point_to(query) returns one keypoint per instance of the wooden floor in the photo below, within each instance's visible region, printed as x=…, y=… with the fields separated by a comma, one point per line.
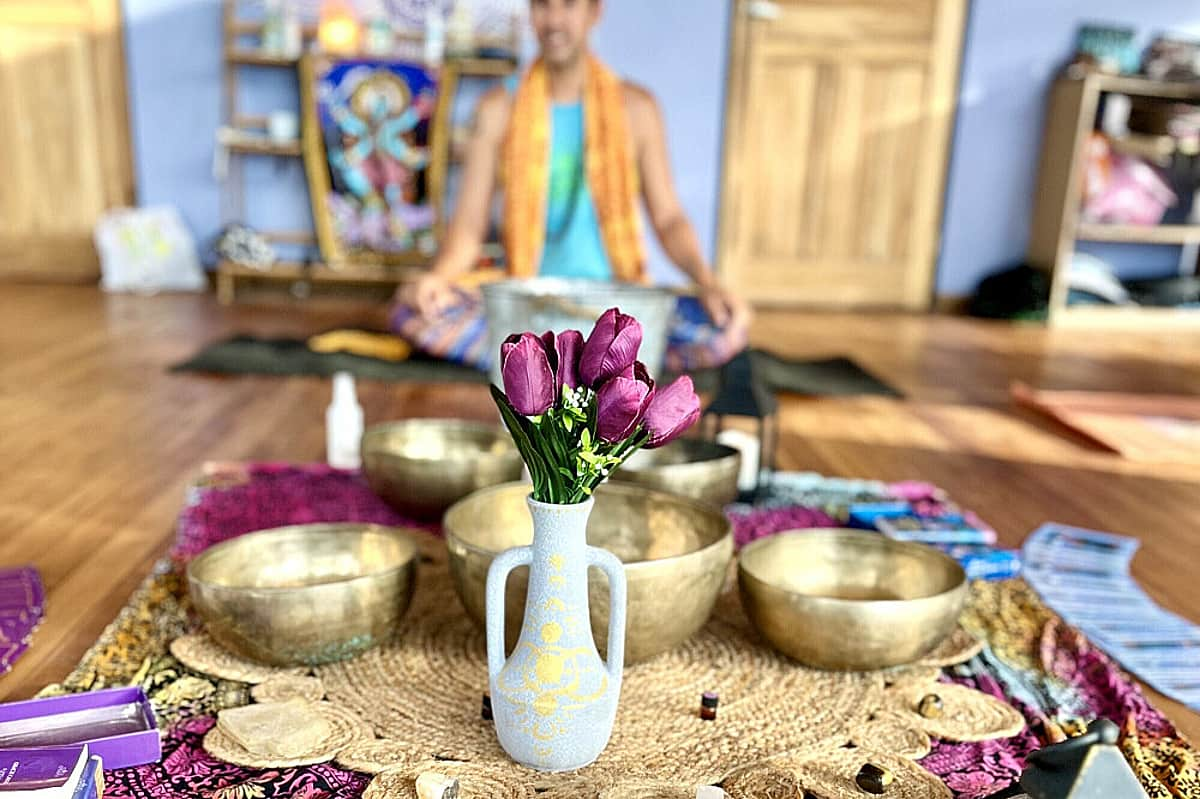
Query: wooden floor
x=100, y=440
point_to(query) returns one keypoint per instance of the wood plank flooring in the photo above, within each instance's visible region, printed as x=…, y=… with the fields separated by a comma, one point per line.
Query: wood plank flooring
x=99, y=440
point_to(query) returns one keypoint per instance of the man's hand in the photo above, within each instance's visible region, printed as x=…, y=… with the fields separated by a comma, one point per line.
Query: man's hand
x=430, y=294
x=724, y=307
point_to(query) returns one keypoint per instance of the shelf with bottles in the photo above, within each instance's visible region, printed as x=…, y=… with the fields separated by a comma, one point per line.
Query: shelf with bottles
x=281, y=37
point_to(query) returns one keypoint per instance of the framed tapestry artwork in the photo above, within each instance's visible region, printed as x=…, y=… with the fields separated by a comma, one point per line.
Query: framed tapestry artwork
x=375, y=153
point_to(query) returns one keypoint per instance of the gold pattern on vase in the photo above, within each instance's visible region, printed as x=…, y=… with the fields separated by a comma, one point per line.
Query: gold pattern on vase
x=560, y=679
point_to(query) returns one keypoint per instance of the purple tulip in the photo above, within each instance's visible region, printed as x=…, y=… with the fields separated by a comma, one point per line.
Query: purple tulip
x=568, y=346
x=622, y=402
x=528, y=378
x=671, y=411
x=610, y=349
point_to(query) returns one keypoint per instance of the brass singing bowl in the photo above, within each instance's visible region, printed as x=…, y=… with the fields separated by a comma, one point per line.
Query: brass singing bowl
x=308, y=594
x=676, y=553
x=688, y=467
x=422, y=466
x=850, y=599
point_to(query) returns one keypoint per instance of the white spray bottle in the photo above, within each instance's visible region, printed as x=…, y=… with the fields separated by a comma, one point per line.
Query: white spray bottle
x=343, y=425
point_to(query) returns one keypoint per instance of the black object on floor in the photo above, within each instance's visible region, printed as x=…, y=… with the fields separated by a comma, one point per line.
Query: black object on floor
x=1022, y=292
x=248, y=355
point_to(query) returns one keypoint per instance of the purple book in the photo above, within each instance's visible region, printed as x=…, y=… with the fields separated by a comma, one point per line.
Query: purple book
x=47, y=771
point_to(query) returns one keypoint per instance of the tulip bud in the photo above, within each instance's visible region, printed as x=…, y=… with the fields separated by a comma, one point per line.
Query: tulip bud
x=528, y=379
x=671, y=411
x=621, y=404
x=611, y=348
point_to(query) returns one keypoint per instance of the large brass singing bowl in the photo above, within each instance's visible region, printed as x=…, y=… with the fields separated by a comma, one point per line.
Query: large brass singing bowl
x=422, y=466
x=850, y=599
x=688, y=467
x=676, y=553
x=307, y=594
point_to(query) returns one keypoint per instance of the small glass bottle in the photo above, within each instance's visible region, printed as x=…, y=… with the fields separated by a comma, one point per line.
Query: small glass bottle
x=708, y=706
x=344, y=425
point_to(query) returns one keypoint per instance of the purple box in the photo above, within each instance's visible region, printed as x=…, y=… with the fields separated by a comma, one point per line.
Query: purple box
x=117, y=724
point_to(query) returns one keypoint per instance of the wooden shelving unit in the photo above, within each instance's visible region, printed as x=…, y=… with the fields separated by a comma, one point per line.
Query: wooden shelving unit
x=237, y=55
x=255, y=59
x=1130, y=317
x=266, y=147
x=475, y=67
x=230, y=274
x=1138, y=234
x=1057, y=225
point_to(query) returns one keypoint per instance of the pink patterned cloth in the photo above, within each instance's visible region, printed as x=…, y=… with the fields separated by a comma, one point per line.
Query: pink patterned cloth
x=261, y=496
x=187, y=771
x=750, y=525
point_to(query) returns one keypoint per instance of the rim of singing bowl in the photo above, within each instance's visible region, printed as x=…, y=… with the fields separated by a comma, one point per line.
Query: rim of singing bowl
x=709, y=451
x=715, y=459
x=196, y=568
x=558, y=287
x=955, y=577
x=451, y=528
x=375, y=437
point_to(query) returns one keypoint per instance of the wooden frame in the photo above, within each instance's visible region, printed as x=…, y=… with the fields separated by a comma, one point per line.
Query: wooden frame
x=317, y=167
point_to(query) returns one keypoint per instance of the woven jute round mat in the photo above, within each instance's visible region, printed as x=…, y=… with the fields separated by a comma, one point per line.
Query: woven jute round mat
x=967, y=714
x=894, y=733
x=830, y=775
x=283, y=687
x=201, y=653
x=425, y=690
x=346, y=729
x=763, y=782
x=959, y=647
x=475, y=781
x=421, y=695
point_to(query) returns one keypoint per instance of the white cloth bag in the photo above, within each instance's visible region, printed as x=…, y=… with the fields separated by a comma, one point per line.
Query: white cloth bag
x=147, y=250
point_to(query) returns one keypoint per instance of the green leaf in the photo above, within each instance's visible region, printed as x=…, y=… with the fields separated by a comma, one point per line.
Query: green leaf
x=520, y=428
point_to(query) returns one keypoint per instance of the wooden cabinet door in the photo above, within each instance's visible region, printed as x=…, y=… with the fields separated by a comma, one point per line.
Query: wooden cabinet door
x=838, y=123
x=64, y=134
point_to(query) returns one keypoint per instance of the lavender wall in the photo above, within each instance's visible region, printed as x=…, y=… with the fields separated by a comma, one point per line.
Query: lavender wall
x=1014, y=49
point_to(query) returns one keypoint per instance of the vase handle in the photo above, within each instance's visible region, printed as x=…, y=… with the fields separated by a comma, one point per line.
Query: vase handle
x=612, y=566
x=494, y=606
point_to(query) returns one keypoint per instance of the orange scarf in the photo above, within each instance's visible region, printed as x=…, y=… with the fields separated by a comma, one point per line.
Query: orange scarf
x=609, y=161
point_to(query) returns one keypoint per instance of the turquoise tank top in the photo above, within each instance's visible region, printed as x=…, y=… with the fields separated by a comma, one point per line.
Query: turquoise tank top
x=574, y=247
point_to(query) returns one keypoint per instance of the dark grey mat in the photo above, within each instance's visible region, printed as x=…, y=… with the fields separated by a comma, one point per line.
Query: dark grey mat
x=827, y=377
x=248, y=355
x=769, y=374
x=747, y=385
